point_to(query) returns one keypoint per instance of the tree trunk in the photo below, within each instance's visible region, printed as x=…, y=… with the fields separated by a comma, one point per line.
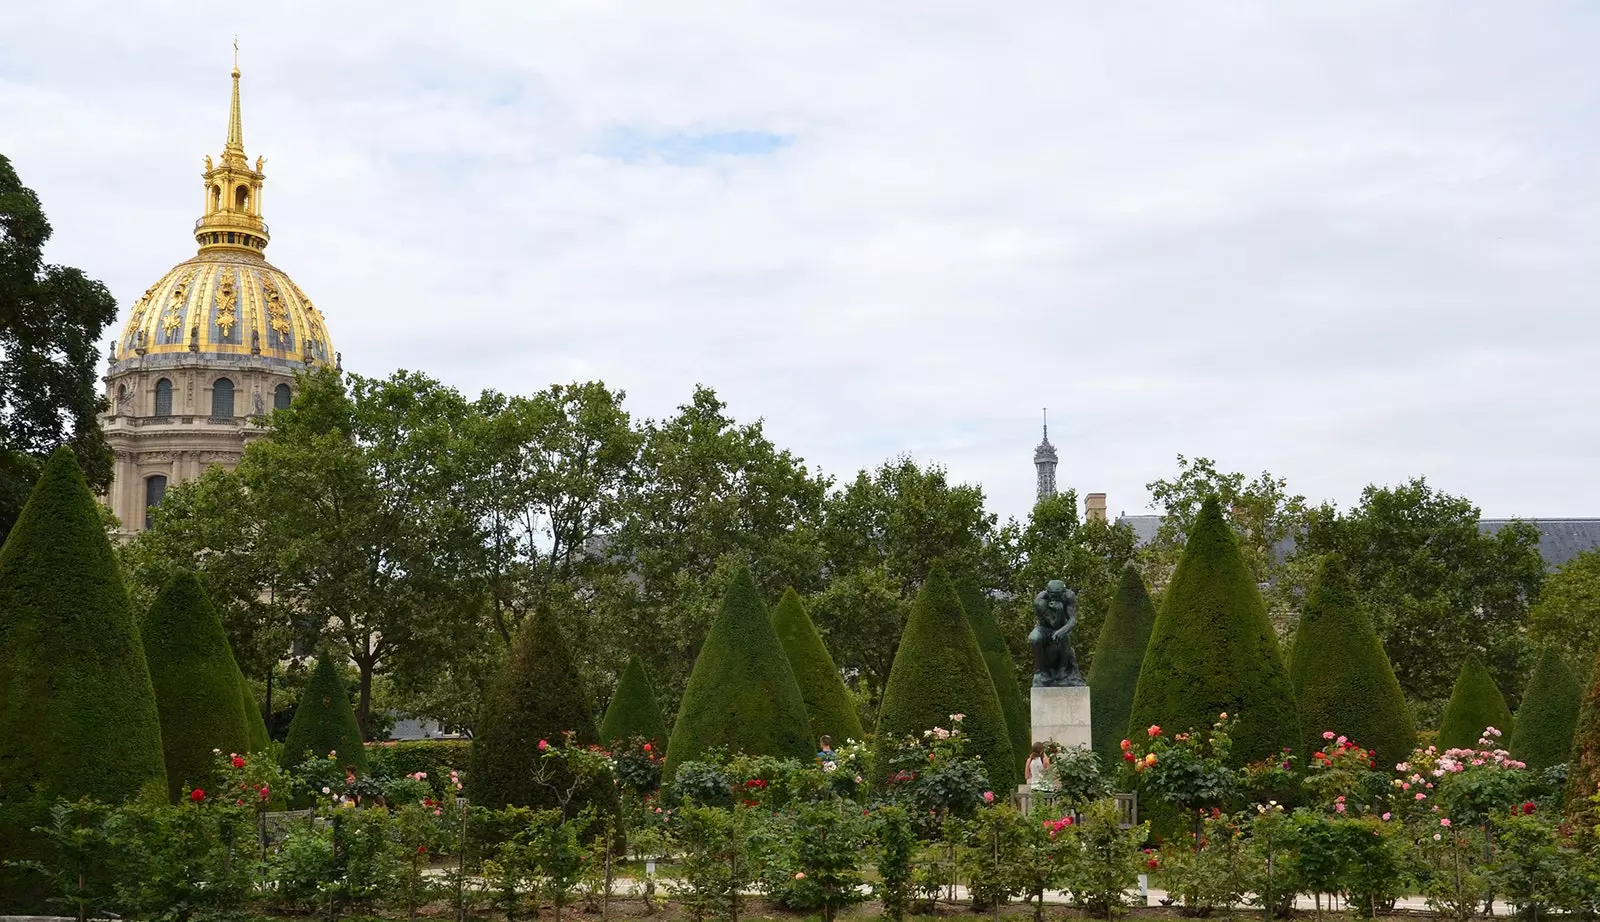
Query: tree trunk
x=364, y=695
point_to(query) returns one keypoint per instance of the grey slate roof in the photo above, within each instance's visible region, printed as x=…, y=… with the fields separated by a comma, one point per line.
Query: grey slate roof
x=1560, y=540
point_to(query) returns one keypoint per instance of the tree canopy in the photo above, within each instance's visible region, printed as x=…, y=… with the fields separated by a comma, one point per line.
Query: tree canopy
x=51, y=319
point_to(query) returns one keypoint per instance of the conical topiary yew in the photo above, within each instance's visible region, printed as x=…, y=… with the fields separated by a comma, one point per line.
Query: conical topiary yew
x=1002, y=671
x=77, y=710
x=254, y=722
x=1118, y=656
x=538, y=696
x=323, y=721
x=1475, y=705
x=1583, y=765
x=1548, y=717
x=1213, y=650
x=634, y=712
x=829, y=707
x=196, y=684
x=1342, y=675
x=939, y=671
x=742, y=695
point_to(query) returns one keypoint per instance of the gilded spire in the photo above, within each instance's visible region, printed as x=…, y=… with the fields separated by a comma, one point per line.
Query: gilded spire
x=235, y=146
x=232, y=217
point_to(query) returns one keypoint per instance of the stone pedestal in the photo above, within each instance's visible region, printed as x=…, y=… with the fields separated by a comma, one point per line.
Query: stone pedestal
x=1062, y=715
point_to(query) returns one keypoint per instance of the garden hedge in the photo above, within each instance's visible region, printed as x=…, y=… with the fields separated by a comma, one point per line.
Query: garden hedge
x=1002, y=669
x=742, y=695
x=538, y=695
x=77, y=710
x=196, y=684
x=634, y=711
x=1342, y=675
x=938, y=671
x=1118, y=656
x=436, y=757
x=1213, y=650
x=324, y=721
x=831, y=710
x=1548, y=717
x=1583, y=765
x=1475, y=705
x=255, y=723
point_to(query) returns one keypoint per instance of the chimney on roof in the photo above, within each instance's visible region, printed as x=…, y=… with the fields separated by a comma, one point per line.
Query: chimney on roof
x=1094, y=507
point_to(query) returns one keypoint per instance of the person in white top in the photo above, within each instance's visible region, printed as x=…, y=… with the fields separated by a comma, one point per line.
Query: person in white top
x=1038, y=770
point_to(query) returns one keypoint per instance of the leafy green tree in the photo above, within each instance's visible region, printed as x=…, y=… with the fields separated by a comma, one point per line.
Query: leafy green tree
x=829, y=706
x=634, y=712
x=742, y=695
x=196, y=683
x=1437, y=587
x=1213, y=649
x=550, y=475
x=708, y=496
x=1002, y=669
x=1118, y=656
x=77, y=710
x=1341, y=675
x=1549, y=714
x=51, y=318
x=861, y=615
x=1055, y=544
x=1567, y=615
x=538, y=698
x=324, y=721
x=939, y=671
x=1262, y=512
x=1475, y=705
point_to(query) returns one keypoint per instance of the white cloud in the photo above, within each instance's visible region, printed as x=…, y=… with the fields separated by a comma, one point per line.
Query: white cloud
x=1346, y=244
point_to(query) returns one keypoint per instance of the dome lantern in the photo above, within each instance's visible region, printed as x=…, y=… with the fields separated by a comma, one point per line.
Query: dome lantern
x=231, y=219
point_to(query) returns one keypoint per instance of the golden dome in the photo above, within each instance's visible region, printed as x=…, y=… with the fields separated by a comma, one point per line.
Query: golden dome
x=228, y=300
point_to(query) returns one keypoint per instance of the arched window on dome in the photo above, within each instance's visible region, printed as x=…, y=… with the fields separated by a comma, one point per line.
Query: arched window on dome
x=163, y=397
x=281, y=397
x=216, y=198
x=241, y=198
x=222, y=399
x=155, y=490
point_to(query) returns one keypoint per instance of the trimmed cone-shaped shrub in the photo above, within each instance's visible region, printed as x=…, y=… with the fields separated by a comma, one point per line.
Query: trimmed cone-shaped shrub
x=1213, y=650
x=324, y=722
x=1475, y=705
x=538, y=695
x=939, y=671
x=1342, y=675
x=829, y=707
x=77, y=710
x=634, y=712
x=1118, y=654
x=742, y=695
x=196, y=683
x=255, y=724
x=1549, y=714
x=1583, y=765
x=1002, y=669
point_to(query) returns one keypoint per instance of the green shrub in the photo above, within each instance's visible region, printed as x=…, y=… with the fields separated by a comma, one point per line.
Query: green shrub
x=1583, y=765
x=1213, y=650
x=77, y=710
x=939, y=671
x=634, y=712
x=324, y=721
x=436, y=757
x=1475, y=704
x=742, y=695
x=1002, y=669
x=1545, y=723
x=255, y=724
x=1342, y=676
x=831, y=710
x=1118, y=655
x=196, y=683
x=538, y=695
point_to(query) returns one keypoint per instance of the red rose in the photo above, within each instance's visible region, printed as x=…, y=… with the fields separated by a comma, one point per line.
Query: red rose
x=238, y=762
x=1128, y=756
x=647, y=747
x=1527, y=807
x=1152, y=863
x=197, y=795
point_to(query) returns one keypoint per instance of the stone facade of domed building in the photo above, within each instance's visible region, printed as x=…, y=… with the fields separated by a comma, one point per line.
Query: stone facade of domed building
x=209, y=349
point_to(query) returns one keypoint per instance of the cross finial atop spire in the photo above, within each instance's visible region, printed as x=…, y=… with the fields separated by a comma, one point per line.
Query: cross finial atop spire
x=235, y=51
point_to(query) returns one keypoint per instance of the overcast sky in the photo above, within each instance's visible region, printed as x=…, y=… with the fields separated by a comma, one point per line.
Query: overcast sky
x=1346, y=243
